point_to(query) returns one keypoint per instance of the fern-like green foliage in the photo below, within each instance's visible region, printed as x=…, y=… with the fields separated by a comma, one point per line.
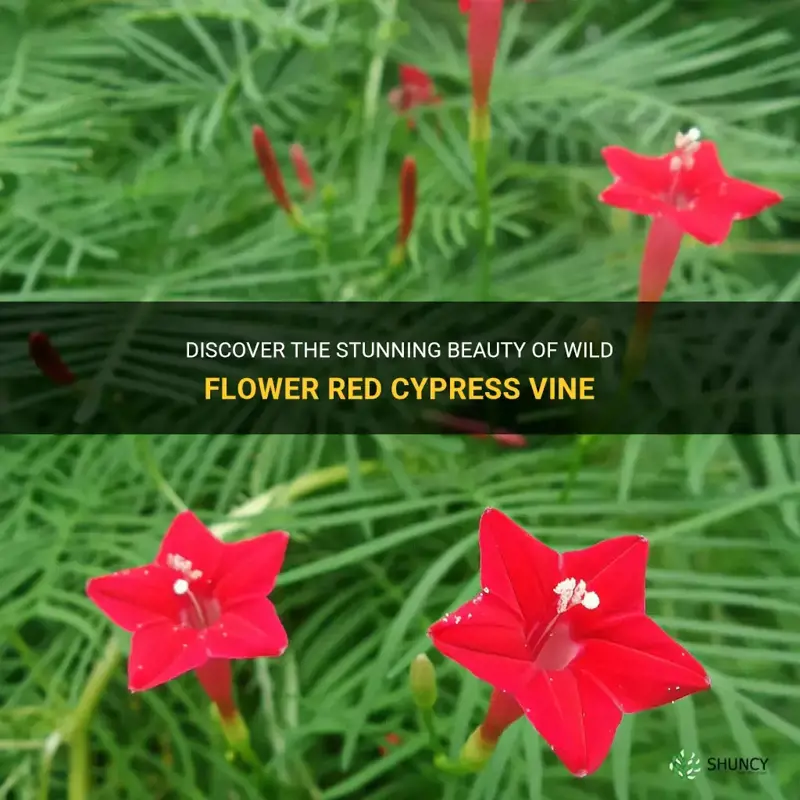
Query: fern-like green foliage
x=127, y=174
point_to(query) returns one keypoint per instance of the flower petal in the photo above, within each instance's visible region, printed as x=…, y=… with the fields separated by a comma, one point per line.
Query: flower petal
x=464, y=6
x=136, y=597
x=640, y=665
x=487, y=637
x=414, y=76
x=188, y=538
x=161, y=652
x=574, y=715
x=250, y=567
x=397, y=99
x=517, y=568
x=708, y=220
x=615, y=570
x=649, y=174
x=632, y=198
x=250, y=629
x=706, y=171
x=747, y=199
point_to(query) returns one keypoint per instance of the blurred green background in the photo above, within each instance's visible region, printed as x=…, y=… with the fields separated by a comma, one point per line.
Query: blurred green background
x=127, y=174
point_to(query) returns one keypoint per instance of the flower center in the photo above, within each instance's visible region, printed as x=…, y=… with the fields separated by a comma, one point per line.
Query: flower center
x=559, y=649
x=201, y=609
x=552, y=646
x=686, y=145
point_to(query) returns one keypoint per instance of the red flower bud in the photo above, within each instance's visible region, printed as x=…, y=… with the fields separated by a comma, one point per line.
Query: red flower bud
x=483, y=37
x=270, y=169
x=48, y=359
x=301, y=167
x=408, y=199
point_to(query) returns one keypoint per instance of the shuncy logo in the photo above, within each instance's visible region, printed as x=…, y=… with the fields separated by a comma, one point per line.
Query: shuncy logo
x=685, y=766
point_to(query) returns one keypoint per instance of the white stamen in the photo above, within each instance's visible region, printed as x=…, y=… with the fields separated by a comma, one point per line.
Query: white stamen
x=180, y=586
x=591, y=601
x=184, y=566
x=573, y=593
x=687, y=144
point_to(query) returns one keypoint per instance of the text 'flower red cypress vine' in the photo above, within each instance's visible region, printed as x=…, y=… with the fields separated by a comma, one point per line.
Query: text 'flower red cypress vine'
x=48, y=360
x=200, y=604
x=566, y=637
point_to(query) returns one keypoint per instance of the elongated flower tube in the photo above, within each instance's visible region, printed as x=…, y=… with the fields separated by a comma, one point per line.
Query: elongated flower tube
x=301, y=167
x=408, y=209
x=503, y=711
x=45, y=355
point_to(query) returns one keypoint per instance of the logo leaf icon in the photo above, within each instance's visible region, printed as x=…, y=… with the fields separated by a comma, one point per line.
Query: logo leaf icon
x=684, y=767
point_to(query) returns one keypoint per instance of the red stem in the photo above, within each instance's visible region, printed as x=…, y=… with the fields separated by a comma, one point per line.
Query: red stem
x=660, y=252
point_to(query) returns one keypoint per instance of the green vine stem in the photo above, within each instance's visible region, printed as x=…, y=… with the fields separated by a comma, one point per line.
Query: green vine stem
x=480, y=152
x=428, y=719
x=149, y=462
x=75, y=731
x=480, y=137
x=578, y=458
x=372, y=89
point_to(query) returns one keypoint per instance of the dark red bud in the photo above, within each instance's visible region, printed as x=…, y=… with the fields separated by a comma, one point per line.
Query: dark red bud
x=270, y=168
x=408, y=199
x=47, y=358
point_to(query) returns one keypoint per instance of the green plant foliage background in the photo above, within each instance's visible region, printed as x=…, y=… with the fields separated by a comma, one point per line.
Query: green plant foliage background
x=127, y=174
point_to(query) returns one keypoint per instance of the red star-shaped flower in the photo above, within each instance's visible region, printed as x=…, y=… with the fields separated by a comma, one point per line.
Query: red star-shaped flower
x=567, y=637
x=200, y=601
x=416, y=89
x=688, y=185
